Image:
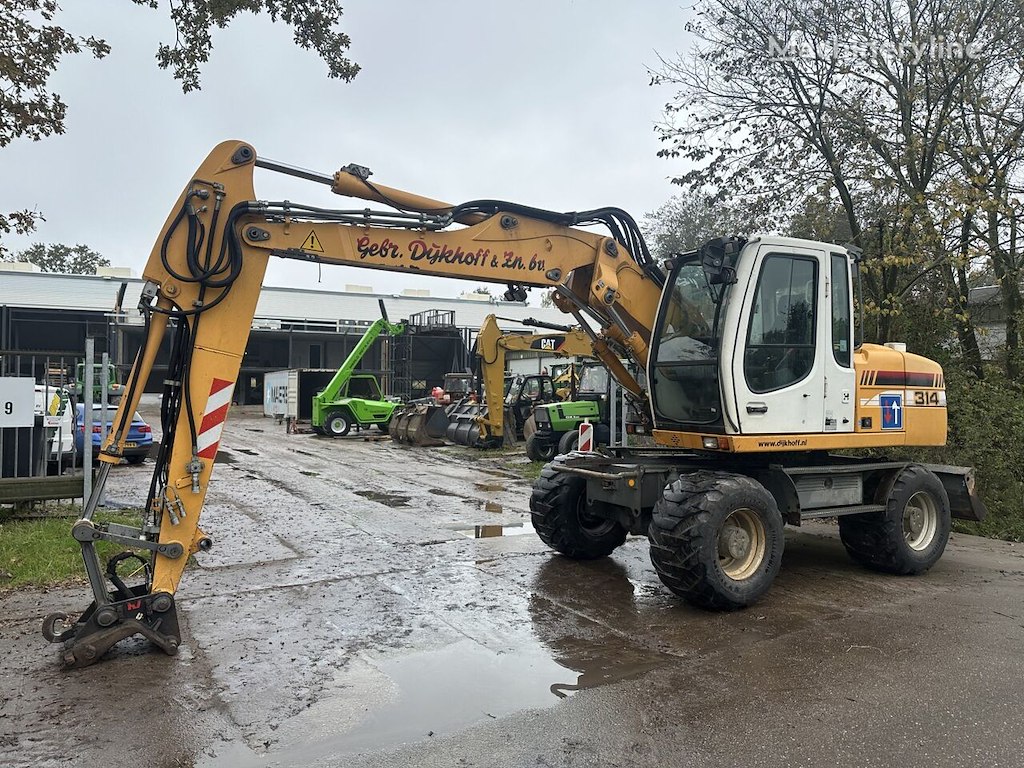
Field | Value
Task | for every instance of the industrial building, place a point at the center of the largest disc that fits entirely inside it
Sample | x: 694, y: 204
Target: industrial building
x: 49, y: 316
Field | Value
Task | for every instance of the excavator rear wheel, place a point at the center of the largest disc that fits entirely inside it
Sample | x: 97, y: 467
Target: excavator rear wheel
x: 567, y: 522
x: 910, y: 535
x: 337, y: 424
x: 716, y: 539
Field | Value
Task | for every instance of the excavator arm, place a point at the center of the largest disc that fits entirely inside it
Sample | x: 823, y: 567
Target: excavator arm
x: 203, y: 279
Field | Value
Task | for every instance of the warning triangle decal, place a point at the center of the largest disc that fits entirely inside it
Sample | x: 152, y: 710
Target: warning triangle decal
x: 312, y: 243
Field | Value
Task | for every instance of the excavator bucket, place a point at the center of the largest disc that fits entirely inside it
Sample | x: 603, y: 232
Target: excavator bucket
x: 420, y: 424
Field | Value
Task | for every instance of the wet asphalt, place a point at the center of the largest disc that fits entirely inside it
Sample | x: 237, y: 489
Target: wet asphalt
x: 369, y: 604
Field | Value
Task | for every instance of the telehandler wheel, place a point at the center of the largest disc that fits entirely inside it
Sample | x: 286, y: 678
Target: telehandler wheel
x: 716, y: 539
x: 337, y: 424
x: 569, y: 442
x: 384, y: 426
x: 566, y: 522
x: 910, y: 535
x: 539, y: 449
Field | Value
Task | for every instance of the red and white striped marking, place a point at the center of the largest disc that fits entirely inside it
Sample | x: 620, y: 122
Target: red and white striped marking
x: 213, y: 418
x: 586, y: 437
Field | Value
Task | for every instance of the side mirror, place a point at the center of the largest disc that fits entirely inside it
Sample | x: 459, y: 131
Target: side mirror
x: 718, y: 258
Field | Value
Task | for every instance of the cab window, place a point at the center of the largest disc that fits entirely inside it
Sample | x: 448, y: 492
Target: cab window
x: 841, y: 309
x: 780, y: 339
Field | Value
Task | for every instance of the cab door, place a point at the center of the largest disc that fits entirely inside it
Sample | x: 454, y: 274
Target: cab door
x: 778, y: 371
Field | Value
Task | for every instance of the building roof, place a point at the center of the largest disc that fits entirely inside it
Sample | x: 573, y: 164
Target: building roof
x: 92, y: 293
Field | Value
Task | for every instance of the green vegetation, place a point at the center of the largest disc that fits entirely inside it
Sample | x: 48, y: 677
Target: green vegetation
x: 42, y: 552
x: 986, y: 421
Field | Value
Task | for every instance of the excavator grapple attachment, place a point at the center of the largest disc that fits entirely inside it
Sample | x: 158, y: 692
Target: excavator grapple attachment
x: 101, y: 627
x: 419, y: 424
x: 464, y: 424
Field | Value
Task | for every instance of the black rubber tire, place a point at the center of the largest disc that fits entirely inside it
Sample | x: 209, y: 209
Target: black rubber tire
x: 561, y: 518
x: 685, y: 532
x: 338, y: 423
x: 569, y: 442
x: 135, y: 460
x: 878, y: 540
x: 384, y: 426
x: 539, y: 448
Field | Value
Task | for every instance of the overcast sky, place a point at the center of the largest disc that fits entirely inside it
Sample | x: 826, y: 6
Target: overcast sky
x: 542, y: 102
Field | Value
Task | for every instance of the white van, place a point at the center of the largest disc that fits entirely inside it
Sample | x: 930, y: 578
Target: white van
x: 55, y: 406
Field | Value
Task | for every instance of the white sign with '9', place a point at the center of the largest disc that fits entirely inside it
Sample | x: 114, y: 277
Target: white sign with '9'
x: 17, y: 408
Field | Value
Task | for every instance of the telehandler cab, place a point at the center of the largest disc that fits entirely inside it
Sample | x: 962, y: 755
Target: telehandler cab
x: 749, y: 351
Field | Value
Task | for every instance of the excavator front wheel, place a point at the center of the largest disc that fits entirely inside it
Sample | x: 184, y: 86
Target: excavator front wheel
x: 716, y: 539
x: 337, y: 424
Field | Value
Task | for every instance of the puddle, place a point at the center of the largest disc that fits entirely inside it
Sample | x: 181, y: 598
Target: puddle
x: 248, y: 451
x: 493, y: 531
x: 303, y: 453
x: 252, y: 429
x: 491, y: 487
x: 439, y: 492
x: 309, y: 473
x: 387, y: 499
x: 431, y: 694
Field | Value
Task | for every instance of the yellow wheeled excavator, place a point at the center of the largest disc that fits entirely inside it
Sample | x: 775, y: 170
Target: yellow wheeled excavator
x: 752, y: 372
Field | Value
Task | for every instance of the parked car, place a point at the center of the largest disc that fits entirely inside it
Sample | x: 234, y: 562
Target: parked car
x: 54, y: 405
x: 140, y: 434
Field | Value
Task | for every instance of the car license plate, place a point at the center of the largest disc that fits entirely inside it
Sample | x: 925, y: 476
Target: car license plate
x: 131, y: 445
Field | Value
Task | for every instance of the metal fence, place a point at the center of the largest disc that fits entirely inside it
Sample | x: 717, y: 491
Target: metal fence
x: 42, y: 461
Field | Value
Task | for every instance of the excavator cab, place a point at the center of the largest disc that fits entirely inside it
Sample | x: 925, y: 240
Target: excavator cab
x: 759, y: 345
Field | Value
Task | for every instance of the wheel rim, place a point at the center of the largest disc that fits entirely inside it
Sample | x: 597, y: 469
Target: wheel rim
x: 920, y: 521
x: 742, y: 542
x: 338, y: 424
x: 591, y: 524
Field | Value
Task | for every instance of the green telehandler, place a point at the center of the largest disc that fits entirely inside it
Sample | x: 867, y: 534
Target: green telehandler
x: 354, y: 399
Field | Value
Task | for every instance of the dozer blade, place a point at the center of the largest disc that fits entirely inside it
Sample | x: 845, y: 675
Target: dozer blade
x: 422, y: 425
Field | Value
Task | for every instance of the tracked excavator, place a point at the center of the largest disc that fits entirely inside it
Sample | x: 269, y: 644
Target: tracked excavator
x: 507, y: 404
x: 753, y: 374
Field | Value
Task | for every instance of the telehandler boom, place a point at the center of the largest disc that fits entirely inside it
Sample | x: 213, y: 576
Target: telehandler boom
x: 747, y: 344
x: 334, y: 411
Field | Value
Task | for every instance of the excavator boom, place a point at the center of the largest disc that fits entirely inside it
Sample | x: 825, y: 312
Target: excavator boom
x: 203, y: 279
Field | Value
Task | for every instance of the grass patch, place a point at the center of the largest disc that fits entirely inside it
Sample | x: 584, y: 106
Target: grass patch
x: 530, y: 470
x: 43, y: 553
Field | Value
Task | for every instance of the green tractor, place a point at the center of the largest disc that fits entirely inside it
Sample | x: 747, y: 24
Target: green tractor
x: 558, y: 424
x: 354, y: 399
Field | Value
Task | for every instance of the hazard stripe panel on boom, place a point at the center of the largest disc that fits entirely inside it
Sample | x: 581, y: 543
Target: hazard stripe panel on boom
x: 213, y: 418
